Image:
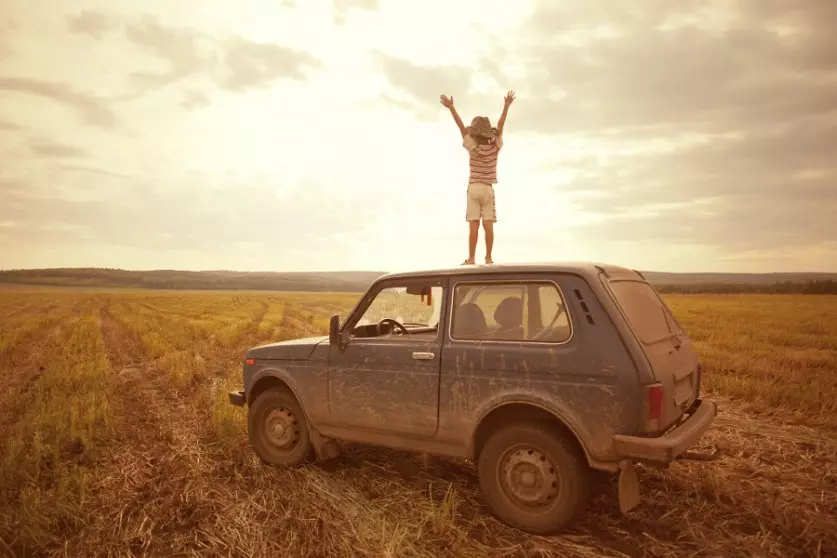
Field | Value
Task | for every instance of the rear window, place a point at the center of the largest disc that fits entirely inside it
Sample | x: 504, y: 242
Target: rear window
x: 646, y: 313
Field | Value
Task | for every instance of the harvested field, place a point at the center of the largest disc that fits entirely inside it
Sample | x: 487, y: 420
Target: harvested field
x: 116, y: 438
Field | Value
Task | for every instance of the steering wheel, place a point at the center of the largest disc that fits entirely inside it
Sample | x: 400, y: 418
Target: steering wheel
x: 548, y: 329
x: 394, y: 323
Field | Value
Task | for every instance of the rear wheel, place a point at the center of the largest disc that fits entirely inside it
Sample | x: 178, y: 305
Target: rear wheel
x: 533, y: 477
x: 278, y: 430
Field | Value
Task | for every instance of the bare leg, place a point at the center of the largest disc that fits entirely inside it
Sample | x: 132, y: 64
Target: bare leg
x: 489, y: 240
x: 474, y: 232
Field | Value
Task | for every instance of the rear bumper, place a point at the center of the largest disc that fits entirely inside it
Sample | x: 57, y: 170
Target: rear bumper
x: 666, y: 448
x: 237, y: 398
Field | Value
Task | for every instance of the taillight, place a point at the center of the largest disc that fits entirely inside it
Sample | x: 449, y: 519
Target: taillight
x: 654, y: 397
x: 655, y: 401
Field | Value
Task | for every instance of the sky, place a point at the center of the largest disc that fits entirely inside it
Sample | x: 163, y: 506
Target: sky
x: 288, y: 135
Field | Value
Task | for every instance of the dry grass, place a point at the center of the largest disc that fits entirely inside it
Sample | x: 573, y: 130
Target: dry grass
x: 117, y: 440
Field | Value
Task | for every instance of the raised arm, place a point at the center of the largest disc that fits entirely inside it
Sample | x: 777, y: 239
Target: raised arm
x: 506, y: 104
x: 447, y: 102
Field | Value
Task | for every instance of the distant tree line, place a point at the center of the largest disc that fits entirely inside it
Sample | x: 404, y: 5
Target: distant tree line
x: 816, y: 286
x: 193, y: 280
x: 336, y: 281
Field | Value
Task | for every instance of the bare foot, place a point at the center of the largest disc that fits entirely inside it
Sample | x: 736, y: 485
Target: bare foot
x: 488, y: 261
x: 468, y: 262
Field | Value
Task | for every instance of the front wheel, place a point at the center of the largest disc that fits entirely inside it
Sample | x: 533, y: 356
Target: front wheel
x: 533, y: 477
x: 277, y: 428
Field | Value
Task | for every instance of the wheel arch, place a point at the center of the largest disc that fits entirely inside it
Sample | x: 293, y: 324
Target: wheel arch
x: 267, y: 382
x: 523, y: 411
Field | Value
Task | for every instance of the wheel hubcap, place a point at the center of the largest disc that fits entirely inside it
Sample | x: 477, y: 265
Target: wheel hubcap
x: 530, y: 477
x: 282, y: 428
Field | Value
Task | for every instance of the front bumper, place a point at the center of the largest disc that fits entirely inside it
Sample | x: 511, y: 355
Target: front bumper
x: 237, y: 398
x: 666, y: 448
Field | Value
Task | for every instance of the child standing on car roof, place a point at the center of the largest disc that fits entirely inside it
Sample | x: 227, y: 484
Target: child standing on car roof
x: 483, y: 144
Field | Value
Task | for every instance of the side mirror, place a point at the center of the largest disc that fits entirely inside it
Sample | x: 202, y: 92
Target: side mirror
x: 334, y: 330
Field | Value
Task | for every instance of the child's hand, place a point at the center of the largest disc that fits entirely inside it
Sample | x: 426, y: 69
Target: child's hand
x: 509, y: 98
x: 446, y: 101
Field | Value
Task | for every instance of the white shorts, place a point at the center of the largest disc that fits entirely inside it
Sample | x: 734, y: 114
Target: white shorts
x: 480, y: 203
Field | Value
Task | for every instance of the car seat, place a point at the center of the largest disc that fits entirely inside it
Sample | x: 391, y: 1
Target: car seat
x: 509, y: 316
x: 469, y: 322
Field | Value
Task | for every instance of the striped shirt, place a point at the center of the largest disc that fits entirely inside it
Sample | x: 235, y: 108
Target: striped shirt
x: 483, y: 159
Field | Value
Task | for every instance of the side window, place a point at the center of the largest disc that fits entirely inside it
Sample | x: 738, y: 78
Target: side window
x: 416, y: 307
x: 522, y: 311
x: 554, y: 317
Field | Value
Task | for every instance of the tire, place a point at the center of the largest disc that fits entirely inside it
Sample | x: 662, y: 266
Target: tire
x: 278, y: 429
x: 539, y: 455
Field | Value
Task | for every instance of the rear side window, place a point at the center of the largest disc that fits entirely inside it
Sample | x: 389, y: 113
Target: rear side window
x: 525, y: 311
x: 646, y: 313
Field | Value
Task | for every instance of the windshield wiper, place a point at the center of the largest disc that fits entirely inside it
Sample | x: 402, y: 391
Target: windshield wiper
x: 673, y: 333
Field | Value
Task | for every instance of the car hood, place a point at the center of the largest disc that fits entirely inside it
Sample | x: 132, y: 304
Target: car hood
x: 295, y: 349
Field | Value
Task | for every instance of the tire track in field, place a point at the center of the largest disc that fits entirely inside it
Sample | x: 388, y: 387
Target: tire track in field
x: 221, y: 355
x: 32, y: 307
x: 16, y: 310
x: 251, y: 330
x: 163, y: 312
x: 153, y: 488
x: 258, y: 319
x: 123, y: 346
x: 21, y: 363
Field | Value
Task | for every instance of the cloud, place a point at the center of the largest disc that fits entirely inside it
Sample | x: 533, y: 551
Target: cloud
x: 97, y: 172
x: 89, y: 22
x: 769, y: 188
x: 342, y: 9
x: 195, y: 100
x: 181, y: 49
x: 232, y: 63
x: 732, y: 225
x: 760, y: 160
x: 675, y: 65
x: 93, y: 110
x: 49, y: 148
x: 7, y: 125
x: 251, y: 64
x: 186, y: 219
x: 417, y: 87
x: 7, y: 27
x: 422, y: 83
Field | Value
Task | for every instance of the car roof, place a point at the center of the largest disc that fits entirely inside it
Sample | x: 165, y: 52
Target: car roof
x: 585, y: 269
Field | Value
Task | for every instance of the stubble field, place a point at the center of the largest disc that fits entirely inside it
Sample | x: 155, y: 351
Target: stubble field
x: 116, y: 438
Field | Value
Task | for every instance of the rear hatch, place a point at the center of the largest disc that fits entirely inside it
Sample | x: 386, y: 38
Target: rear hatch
x: 674, y: 362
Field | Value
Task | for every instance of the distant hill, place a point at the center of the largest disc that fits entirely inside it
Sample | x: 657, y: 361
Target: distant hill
x: 326, y: 281
x: 357, y: 281
x: 664, y: 278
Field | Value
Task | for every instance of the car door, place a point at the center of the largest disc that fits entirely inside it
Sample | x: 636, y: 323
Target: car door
x: 389, y: 383
x: 508, y: 335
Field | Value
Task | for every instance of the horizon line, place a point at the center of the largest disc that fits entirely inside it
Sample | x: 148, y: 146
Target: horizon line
x: 370, y: 271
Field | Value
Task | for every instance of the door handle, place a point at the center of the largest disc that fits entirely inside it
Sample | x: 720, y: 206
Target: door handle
x: 423, y: 356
